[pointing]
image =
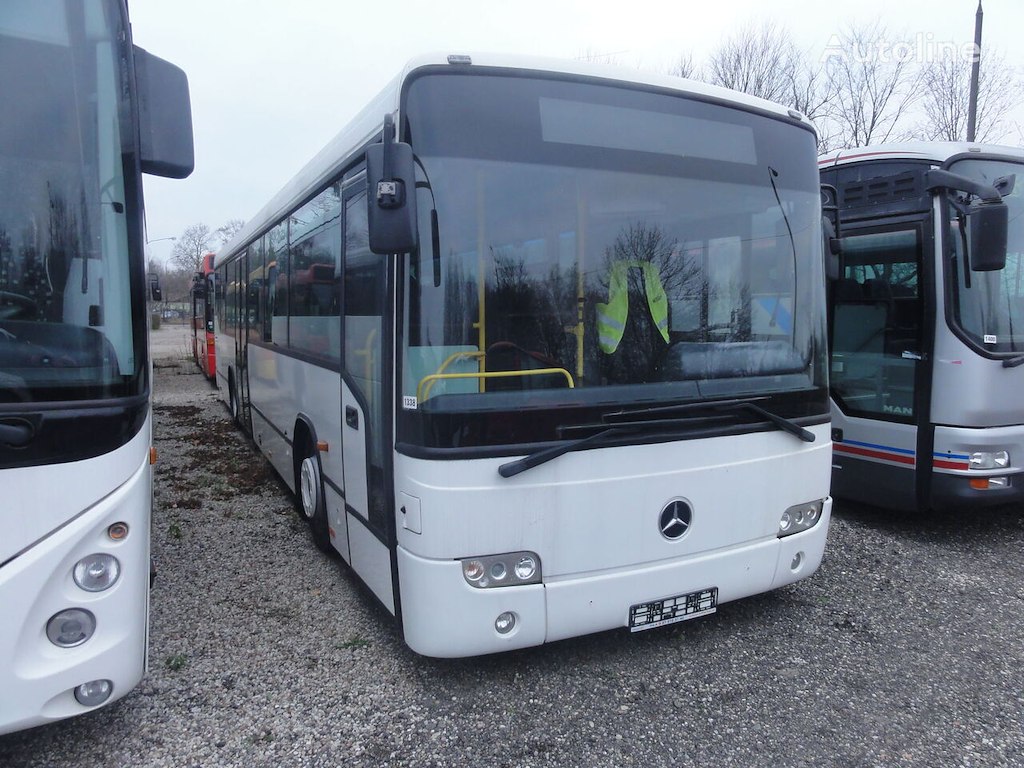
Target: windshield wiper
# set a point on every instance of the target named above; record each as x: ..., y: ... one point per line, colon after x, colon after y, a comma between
x: 1013, y: 362
x: 511, y: 468
x: 727, y: 405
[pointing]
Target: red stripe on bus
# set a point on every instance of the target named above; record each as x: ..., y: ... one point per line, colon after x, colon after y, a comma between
x: 874, y: 454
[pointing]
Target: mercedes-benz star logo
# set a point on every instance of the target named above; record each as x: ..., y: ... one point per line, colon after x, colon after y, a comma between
x: 675, y: 519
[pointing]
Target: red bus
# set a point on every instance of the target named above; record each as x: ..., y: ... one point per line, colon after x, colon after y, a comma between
x: 202, y: 318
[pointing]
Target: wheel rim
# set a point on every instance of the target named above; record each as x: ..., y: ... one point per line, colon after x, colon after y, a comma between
x: 309, y: 485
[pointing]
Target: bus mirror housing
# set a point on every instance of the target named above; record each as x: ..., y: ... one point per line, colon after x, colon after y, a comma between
x: 165, y: 117
x: 830, y: 231
x: 391, y: 204
x: 987, y: 217
x: 155, y: 294
x: 987, y: 224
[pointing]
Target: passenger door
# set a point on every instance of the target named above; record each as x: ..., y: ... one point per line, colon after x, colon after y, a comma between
x: 878, y: 357
x: 364, y: 397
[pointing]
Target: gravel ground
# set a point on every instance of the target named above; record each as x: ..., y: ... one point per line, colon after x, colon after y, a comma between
x: 906, y: 648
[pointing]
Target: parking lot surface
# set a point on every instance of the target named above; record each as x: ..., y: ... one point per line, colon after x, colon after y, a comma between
x: 905, y: 649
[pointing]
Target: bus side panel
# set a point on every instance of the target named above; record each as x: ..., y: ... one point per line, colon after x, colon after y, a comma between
x: 282, y: 389
x: 371, y: 559
x: 224, y: 355
x: 874, y: 462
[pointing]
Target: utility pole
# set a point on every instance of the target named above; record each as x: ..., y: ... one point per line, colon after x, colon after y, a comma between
x: 972, y: 107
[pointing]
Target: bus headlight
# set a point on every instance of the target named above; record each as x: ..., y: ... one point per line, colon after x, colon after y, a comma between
x: 800, y: 518
x: 509, y: 570
x: 989, y: 460
x: 94, y: 693
x: 95, y: 573
x: 70, y: 627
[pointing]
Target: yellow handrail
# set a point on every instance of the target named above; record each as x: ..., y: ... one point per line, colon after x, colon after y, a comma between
x: 427, y: 382
x: 456, y: 356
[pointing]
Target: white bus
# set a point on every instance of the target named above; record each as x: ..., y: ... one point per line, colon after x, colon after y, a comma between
x: 554, y: 362
x: 75, y: 424
x: 927, y: 325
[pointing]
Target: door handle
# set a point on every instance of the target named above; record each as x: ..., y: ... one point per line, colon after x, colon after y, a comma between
x: 351, y: 417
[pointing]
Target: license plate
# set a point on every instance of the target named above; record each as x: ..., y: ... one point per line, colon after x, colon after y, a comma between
x: 658, y: 613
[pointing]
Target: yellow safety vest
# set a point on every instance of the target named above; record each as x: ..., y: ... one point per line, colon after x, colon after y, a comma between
x: 611, y: 317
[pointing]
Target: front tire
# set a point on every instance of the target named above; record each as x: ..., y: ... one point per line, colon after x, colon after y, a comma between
x: 310, y: 494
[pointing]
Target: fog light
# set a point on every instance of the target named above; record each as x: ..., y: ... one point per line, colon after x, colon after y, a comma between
x: 505, y: 622
x: 95, y: 573
x: 798, y: 560
x: 94, y: 693
x: 70, y: 627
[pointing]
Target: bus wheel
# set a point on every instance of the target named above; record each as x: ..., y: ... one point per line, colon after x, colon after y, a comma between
x: 311, y: 502
x: 233, y: 397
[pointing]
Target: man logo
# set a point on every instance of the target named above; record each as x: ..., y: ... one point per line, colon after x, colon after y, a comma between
x: 675, y: 519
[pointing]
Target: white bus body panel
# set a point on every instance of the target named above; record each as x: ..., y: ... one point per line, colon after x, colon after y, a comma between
x: 593, y: 518
x: 37, y: 678
x: 282, y: 388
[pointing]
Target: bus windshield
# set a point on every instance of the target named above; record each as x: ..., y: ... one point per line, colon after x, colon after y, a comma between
x: 599, y: 247
x: 66, y: 329
x: 988, y: 307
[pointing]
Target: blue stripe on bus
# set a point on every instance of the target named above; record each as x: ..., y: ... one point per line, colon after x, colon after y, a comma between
x: 878, y: 447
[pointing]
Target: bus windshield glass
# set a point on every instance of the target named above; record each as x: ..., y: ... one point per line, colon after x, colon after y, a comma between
x: 600, y: 247
x: 988, y: 307
x: 66, y: 330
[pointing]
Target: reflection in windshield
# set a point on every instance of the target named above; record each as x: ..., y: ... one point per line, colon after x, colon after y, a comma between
x: 65, y: 318
x: 607, y: 272
x: 989, y: 306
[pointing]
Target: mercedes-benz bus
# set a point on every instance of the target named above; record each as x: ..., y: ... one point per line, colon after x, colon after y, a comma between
x: 86, y: 113
x: 540, y: 347
x: 927, y: 325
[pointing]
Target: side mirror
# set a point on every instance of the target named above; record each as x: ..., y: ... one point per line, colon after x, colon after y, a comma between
x: 987, y: 217
x: 165, y: 117
x: 154, y: 292
x: 391, y: 203
x: 987, y: 225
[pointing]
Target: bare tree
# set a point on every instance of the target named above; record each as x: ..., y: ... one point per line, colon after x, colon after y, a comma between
x: 811, y: 92
x: 764, y: 61
x: 229, y: 229
x: 873, y: 81
x: 759, y: 60
x: 591, y: 56
x: 189, y: 249
x: 685, y: 68
x: 945, y: 85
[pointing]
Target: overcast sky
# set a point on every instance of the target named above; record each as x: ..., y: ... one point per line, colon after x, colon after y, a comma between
x: 272, y: 81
